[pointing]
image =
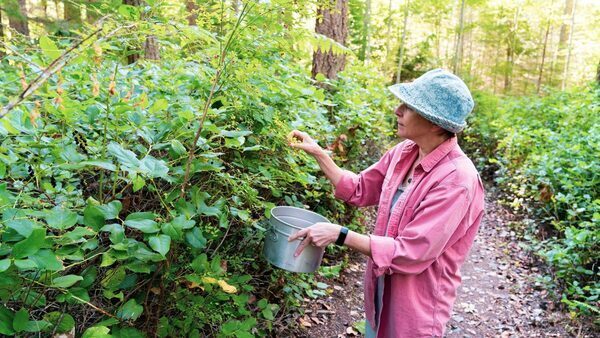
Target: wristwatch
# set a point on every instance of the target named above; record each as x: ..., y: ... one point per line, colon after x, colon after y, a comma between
x: 342, y: 236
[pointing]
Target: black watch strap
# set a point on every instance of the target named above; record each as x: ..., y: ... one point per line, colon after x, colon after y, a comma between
x: 342, y: 236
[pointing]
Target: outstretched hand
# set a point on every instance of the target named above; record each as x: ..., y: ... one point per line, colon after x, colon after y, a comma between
x: 306, y: 142
x: 320, y: 235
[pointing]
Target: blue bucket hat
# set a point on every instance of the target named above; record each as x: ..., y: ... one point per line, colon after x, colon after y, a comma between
x: 439, y: 96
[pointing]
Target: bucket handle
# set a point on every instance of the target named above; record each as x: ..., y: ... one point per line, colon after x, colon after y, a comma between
x: 274, y: 236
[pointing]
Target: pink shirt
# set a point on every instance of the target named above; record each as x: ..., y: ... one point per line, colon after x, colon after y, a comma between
x: 430, y: 232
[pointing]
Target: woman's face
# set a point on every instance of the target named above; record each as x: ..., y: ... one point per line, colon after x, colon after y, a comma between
x: 411, y: 125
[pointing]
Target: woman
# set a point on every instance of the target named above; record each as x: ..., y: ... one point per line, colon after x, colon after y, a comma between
x: 430, y: 200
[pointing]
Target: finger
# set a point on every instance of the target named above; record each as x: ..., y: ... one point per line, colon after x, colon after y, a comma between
x: 297, y: 235
x: 301, y: 247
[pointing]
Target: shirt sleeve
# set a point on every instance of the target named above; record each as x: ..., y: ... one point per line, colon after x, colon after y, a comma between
x: 364, y: 189
x: 426, y: 236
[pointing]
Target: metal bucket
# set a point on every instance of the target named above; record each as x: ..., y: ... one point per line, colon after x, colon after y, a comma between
x: 284, y: 222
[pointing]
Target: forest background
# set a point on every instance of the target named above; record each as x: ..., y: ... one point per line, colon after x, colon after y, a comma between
x: 143, y: 143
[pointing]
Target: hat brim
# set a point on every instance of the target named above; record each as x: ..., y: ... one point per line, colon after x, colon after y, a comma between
x: 404, y: 92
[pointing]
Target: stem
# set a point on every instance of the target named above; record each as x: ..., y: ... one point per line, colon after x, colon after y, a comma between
x: 221, y: 66
x: 105, y: 139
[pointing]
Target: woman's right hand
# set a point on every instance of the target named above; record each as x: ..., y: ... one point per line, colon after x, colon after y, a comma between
x: 307, y: 144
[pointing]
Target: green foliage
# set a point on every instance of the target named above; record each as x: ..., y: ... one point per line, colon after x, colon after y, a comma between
x: 544, y: 153
x: 92, y: 218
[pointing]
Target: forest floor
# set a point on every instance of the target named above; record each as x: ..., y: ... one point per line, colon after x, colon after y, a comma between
x: 500, y: 295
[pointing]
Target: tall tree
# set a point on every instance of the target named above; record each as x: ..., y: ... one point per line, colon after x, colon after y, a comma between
x: 192, y: 12
x: 332, y: 21
x: 545, y: 45
x: 402, y: 42
x: 72, y: 11
x: 364, y: 49
x: 561, y: 48
x: 566, y: 72
x: 459, y: 39
x: 1, y: 35
x: 151, y: 46
x: 17, y: 18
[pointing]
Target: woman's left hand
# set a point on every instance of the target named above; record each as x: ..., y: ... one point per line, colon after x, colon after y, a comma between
x: 320, y: 235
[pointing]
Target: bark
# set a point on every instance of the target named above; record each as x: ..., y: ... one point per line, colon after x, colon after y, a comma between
x: 72, y: 12
x: 459, y: 38
x: 539, y: 82
x: 18, y: 21
x: 566, y: 73
x: 389, y: 33
x: 151, y: 48
x: 402, y: 42
x: 1, y: 36
x: 92, y: 13
x: 598, y: 74
x: 364, y: 50
x: 563, y: 40
x: 236, y: 7
x: 332, y: 21
x: 192, y: 13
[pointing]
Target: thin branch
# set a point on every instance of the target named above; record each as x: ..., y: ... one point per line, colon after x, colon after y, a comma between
x: 54, y: 67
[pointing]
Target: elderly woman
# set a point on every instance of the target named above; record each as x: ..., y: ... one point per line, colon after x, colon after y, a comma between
x: 430, y: 200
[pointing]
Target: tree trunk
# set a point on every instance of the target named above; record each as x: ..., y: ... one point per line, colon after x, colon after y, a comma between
x: 332, y: 21
x: 539, y: 82
x: 566, y: 73
x: 364, y: 49
x: 459, y: 38
x: 1, y: 36
x: 192, y: 14
x: 236, y: 7
x: 402, y: 43
x: 563, y: 39
x: 598, y: 74
x: 151, y: 48
x: 92, y: 13
x: 389, y: 33
x: 18, y: 21
x: 72, y: 12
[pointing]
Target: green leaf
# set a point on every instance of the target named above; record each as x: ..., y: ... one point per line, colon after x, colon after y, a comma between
x: 97, y: 332
x: 127, y: 332
x: 100, y: 164
x: 6, y: 320
x: 113, y: 278
x: 47, y: 260
x: 143, y: 221
x: 4, y: 264
x: 128, y: 12
x: 65, y: 281
x: 61, y: 219
x: 177, y: 147
x: 138, y: 183
x: 63, y: 322
x: 21, y: 319
x: 93, y: 217
x: 49, y: 48
x: 126, y: 158
x: 195, y: 238
x: 23, y: 226
x: 268, y: 314
x: 158, y: 105
x: 36, y: 325
x: 130, y: 310
x: 160, y: 244
x: 111, y: 210
x: 30, y: 245
x: 154, y: 168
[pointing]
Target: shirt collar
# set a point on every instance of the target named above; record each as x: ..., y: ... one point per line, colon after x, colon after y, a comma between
x: 434, y: 157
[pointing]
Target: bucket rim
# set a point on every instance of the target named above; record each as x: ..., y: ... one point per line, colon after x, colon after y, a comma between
x: 279, y: 207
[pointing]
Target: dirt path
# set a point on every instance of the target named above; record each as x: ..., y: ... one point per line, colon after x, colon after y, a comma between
x: 500, y: 295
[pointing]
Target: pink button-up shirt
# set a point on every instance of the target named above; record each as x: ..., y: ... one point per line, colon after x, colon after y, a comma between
x: 430, y: 232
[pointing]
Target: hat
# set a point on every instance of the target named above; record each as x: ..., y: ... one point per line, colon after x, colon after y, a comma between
x: 439, y: 96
